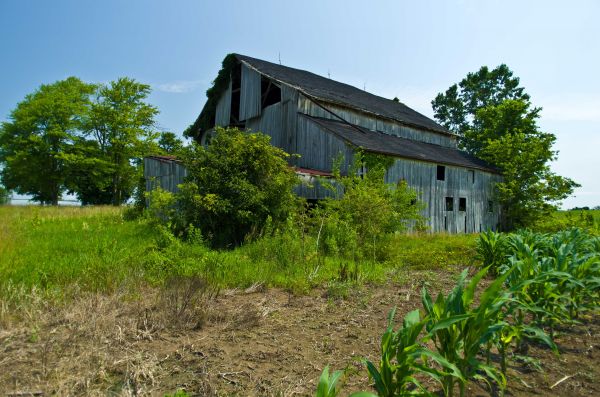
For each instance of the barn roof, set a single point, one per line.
(329, 90)
(377, 142)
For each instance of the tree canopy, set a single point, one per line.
(496, 122)
(83, 138)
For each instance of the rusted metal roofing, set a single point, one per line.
(328, 90)
(312, 172)
(377, 142)
(163, 158)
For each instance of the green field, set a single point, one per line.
(59, 250)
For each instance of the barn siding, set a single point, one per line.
(422, 177)
(269, 123)
(318, 148)
(250, 94)
(163, 173)
(373, 123)
(223, 113)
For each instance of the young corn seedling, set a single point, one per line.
(403, 356)
(459, 330)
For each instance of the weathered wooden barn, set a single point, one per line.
(319, 119)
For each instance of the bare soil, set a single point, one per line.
(254, 342)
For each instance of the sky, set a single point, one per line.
(408, 49)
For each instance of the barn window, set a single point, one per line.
(462, 204)
(449, 203)
(270, 92)
(472, 176)
(490, 206)
(441, 173)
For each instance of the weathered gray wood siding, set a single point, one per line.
(223, 113)
(318, 148)
(250, 94)
(269, 123)
(371, 122)
(458, 183)
(163, 173)
(289, 114)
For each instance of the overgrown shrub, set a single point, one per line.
(366, 211)
(234, 186)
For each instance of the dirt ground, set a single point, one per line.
(253, 342)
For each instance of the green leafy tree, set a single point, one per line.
(495, 121)
(234, 187)
(121, 123)
(169, 143)
(507, 136)
(456, 108)
(34, 143)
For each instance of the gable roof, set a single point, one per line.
(378, 142)
(328, 90)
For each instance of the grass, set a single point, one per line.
(61, 250)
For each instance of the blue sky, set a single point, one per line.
(411, 50)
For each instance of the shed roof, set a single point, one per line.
(377, 142)
(329, 90)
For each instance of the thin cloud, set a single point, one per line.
(570, 107)
(179, 86)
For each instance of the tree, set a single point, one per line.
(121, 123)
(456, 108)
(3, 195)
(33, 144)
(507, 136)
(495, 121)
(169, 143)
(234, 186)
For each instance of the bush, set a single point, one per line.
(358, 223)
(3, 195)
(234, 186)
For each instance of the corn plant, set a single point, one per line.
(492, 250)
(403, 356)
(459, 329)
(328, 385)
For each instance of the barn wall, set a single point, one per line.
(269, 123)
(250, 94)
(166, 174)
(223, 112)
(318, 149)
(373, 123)
(458, 183)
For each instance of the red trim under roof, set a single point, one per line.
(312, 172)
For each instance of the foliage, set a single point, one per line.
(169, 143)
(459, 329)
(507, 136)
(235, 186)
(495, 123)
(347, 229)
(403, 356)
(456, 108)
(4, 195)
(120, 122)
(84, 138)
(34, 144)
(492, 250)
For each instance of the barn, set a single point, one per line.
(321, 119)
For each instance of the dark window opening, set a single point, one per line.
(449, 203)
(465, 224)
(445, 223)
(236, 84)
(472, 175)
(270, 92)
(462, 204)
(490, 206)
(441, 173)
